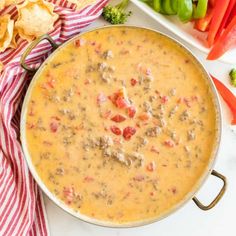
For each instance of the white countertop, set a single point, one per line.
(189, 220)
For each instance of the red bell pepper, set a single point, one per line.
(212, 3)
(218, 14)
(232, 15)
(228, 97)
(223, 24)
(203, 24)
(225, 42)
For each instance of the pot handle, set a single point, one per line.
(31, 47)
(217, 198)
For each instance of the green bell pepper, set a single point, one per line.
(200, 10)
(174, 5)
(185, 10)
(167, 7)
(157, 5)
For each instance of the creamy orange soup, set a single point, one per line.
(121, 124)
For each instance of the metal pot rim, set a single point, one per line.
(188, 197)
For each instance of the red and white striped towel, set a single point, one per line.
(21, 204)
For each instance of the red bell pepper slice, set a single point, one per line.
(225, 42)
(232, 15)
(226, 17)
(228, 97)
(203, 24)
(218, 15)
(212, 3)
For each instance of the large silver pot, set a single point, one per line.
(190, 195)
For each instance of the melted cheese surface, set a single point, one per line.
(121, 124)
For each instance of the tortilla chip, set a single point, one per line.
(11, 2)
(13, 43)
(82, 3)
(35, 18)
(4, 3)
(6, 32)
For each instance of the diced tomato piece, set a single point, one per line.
(112, 98)
(128, 132)
(30, 126)
(121, 102)
(51, 83)
(131, 111)
(31, 112)
(139, 178)
(187, 102)
(79, 127)
(133, 82)
(106, 114)
(88, 179)
(54, 126)
(99, 46)
(148, 71)
(87, 81)
(43, 86)
(118, 118)
(101, 98)
(195, 98)
(117, 141)
(154, 149)
(164, 99)
(144, 116)
(169, 143)
(151, 166)
(69, 194)
(68, 191)
(115, 130)
(119, 99)
(180, 100)
(79, 42)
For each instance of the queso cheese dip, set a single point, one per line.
(121, 124)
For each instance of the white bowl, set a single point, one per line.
(184, 31)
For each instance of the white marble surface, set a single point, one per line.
(189, 220)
